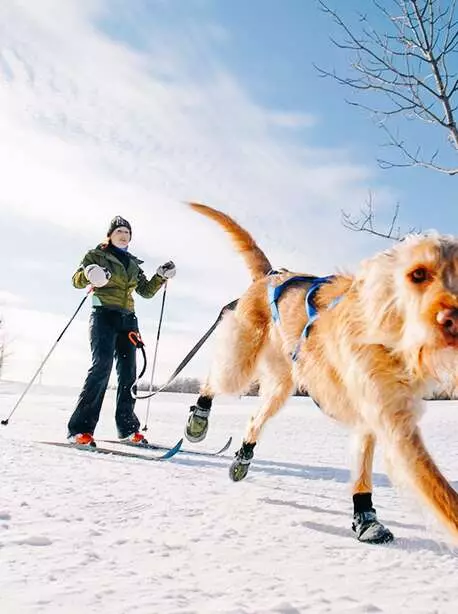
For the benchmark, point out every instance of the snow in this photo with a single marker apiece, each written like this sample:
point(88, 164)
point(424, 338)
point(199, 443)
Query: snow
point(85, 533)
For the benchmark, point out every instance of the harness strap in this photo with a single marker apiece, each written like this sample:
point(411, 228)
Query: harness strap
point(229, 307)
point(136, 340)
point(310, 307)
point(312, 311)
point(274, 293)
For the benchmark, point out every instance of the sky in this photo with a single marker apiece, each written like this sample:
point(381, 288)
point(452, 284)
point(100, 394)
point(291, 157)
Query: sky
point(135, 108)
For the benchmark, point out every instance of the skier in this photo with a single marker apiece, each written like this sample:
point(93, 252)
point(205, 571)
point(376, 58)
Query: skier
point(114, 274)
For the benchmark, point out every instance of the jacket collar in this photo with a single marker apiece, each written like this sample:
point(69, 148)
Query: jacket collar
point(102, 249)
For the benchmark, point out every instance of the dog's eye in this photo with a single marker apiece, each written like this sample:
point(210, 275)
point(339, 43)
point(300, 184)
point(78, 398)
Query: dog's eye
point(418, 276)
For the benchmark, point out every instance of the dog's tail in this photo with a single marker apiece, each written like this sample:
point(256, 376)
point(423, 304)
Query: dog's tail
point(254, 257)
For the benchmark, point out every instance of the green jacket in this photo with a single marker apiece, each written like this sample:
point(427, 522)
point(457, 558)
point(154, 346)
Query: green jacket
point(117, 294)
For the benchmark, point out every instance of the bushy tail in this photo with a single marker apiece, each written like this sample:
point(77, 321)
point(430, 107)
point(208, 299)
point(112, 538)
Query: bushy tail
point(254, 257)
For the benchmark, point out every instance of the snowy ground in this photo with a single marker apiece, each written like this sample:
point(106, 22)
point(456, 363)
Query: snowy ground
point(91, 534)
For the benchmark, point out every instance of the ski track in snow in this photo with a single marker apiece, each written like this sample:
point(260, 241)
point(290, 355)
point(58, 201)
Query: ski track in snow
point(81, 533)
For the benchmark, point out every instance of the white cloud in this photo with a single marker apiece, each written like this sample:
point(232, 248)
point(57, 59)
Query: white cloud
point(292, 120)
point(9, 298)
point(30, 335)
point(92, 128)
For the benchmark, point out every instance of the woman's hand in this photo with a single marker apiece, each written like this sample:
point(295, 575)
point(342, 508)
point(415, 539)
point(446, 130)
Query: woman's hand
point(166, 270)
point(96, 275)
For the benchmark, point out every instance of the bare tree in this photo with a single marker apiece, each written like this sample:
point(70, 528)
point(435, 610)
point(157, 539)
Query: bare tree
point(365, 222)
point(409, 70)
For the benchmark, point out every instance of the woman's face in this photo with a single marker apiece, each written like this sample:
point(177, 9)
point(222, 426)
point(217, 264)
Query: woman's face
point(120, 237)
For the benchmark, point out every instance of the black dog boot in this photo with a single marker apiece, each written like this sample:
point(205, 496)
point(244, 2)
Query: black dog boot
point(197, 424)
point(369, 530)
point(240, 465)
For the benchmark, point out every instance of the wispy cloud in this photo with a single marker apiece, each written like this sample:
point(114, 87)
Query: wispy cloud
point(290, 119)
point(93, 126)
point(8, 298)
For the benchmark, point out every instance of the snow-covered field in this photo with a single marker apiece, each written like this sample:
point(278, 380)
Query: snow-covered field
point(83, 533)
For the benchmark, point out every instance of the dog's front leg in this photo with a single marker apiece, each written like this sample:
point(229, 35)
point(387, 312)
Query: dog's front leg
point(365, 524)
point(411, 463)
point(274, 396)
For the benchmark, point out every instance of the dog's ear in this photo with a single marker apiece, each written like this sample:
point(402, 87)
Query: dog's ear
point(376, 274)
point(449, 255)
point(376, 288)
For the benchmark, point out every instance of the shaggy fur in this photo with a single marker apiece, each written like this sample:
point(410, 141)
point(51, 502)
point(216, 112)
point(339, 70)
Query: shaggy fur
point(367, 361)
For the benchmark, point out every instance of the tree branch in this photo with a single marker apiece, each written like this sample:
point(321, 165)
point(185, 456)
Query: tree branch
point(406, 65)
point(365, 222)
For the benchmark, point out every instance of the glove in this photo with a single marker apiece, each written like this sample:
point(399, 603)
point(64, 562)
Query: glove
point(96, 275)
point(166, 270)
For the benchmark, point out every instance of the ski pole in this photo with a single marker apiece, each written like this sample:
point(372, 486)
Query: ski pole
point(145, 428)
point(27, 388)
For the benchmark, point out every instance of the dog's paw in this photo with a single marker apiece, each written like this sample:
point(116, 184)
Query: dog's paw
point(197, 424)
point(369, 530)
point(241, 463)
point(239, 469)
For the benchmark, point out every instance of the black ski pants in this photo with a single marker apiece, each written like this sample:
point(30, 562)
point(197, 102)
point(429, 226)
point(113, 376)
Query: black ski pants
point(109, 330)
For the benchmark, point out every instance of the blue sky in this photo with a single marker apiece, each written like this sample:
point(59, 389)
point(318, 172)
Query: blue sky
point(271, 47)
point(131, 108)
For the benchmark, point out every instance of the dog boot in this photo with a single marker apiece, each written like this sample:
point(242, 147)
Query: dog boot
point(197, 424)
point(369, 530)
point(240, 465)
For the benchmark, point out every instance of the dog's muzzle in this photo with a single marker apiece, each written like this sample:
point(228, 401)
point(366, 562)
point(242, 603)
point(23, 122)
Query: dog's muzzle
point(448, 320)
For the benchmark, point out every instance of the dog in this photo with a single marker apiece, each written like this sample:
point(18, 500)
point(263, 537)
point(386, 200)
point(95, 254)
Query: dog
point(365, 347)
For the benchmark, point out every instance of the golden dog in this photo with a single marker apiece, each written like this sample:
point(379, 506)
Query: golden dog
point(377, 341)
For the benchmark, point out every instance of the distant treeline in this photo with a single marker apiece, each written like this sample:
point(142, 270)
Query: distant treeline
point(192, 385)
point(187, 384)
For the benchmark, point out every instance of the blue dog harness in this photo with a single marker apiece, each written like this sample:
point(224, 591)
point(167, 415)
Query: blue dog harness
point(274, 293)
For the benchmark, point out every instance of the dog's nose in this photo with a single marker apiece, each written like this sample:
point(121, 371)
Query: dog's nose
point(448, 319)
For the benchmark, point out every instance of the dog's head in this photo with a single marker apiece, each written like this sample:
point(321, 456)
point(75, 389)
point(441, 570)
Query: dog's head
point(409, 301)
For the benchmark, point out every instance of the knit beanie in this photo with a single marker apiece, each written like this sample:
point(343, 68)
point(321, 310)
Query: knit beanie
point(117, 222)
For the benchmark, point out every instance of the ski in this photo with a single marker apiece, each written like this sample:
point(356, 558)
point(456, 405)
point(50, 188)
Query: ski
point(209, 453)
point(157, 446)
point(169, 452)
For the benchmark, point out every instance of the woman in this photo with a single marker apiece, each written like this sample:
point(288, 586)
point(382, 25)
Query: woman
point(114, 274)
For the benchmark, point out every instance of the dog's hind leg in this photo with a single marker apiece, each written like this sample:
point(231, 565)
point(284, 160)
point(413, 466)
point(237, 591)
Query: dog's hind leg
point(365, 524)
point(238, 347)
point(363, 452)
point(276, 385)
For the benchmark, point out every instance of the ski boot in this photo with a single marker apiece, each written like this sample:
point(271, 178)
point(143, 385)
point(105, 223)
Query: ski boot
point(240, 465)
point(135, 438)
point(197, 424)
point(82, 440)
point(369, 530)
